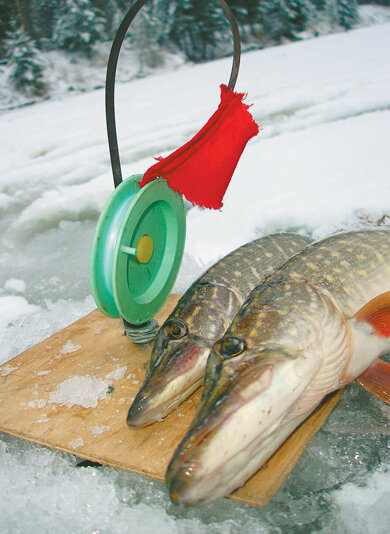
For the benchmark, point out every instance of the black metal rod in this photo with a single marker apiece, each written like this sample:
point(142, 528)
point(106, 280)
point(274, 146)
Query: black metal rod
point(111, 71)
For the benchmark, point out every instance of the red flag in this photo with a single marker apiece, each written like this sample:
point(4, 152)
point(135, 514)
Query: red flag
point(202, 168)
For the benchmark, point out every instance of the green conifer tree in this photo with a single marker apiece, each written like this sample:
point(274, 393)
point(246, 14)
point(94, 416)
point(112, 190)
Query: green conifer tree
point(79, 26)
point(196, 27)
point(26, 65)
point(7, 14)
point(346, 13)
point(284, 19)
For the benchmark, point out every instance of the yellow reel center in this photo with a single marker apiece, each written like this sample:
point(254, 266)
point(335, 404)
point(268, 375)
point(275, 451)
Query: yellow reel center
point(144, 249)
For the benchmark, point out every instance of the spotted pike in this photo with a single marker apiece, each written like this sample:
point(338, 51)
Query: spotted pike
point(312, 327)
point(201, 317)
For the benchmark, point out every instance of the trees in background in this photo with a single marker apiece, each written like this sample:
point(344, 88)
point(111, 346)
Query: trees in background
point(345, 13)
point(79, 25)
point(197, 28)
point(26, 65)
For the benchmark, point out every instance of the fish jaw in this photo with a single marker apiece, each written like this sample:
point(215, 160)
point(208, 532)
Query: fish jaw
point(165, 388)
point(257, 401)
point(177, 366)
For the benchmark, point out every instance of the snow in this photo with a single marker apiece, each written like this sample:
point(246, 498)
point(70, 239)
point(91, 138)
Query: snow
point(13, 284)
point(319, 164)
point(97, 430)
point(38, 403)
point(66, 72)
point(80, 391)
point(118, 373)
point(13, 308)
point(7, 370)
point(76, 443)
point(70, 347)
point(362, 506)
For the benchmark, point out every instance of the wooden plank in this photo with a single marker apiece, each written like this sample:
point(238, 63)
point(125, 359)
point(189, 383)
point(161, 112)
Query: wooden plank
point(94, 348)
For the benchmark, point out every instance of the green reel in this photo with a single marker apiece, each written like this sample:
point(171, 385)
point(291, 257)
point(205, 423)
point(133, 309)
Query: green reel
point(137, 250)
point(138, 244)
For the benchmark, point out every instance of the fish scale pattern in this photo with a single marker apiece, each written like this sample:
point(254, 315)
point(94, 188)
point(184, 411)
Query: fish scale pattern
point(351, 266)
point(242, 269)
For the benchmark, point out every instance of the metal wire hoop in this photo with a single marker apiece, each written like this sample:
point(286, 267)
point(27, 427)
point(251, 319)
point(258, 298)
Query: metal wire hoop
point(111, 71)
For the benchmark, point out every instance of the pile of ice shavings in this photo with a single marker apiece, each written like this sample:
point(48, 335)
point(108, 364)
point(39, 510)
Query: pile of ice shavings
point(81, 391)
point(319, 164)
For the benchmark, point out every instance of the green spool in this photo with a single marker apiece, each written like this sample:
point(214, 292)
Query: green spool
point(137, 249)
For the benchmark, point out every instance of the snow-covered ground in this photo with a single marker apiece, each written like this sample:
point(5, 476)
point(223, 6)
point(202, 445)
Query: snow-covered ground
point(319, 164)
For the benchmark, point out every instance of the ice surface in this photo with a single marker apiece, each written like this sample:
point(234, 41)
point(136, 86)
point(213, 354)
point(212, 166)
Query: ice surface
point(14, 284)
point(13, 308)
point(365, 505)
point(319, 164)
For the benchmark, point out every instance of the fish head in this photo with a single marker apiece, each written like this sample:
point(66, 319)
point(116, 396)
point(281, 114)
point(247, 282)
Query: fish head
point(180, 352)
point(246, 394)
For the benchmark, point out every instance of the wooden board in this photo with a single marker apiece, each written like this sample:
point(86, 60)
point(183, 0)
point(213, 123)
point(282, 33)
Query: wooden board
point(95, 347)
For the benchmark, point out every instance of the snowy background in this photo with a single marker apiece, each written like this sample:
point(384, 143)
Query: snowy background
point(319, 164)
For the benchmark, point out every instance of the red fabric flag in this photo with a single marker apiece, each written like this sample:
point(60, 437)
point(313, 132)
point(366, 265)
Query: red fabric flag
point(202, 168)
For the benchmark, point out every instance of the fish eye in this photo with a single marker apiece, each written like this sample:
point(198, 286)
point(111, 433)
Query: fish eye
point(175, 329)
point(231, 346)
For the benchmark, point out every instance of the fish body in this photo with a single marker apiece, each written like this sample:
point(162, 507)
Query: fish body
point(310, 328)
point(202, 315)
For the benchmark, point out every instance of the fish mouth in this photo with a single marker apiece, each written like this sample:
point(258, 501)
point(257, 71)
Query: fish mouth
point(230, 440)
point(166, 386)
point(199, 467)
point(151, 406)
point(186, 488)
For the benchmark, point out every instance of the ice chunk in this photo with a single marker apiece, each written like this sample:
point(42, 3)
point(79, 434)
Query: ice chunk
point(118, 373)
point(15, 284)
point(76, 443)
point(42, 373)
point(13, 308)
point(43, 419)
point(81, 391)
point(7, 370)
point(70, 347)
point(96, 430)
point(38, 403)
point(365, 507)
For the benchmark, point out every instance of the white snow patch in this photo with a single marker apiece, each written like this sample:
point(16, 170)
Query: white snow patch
point(76, 443)
point(14, 284)
point(365, 509)
point(118, 373)
point(42, 373)
point(43, 419)
point(7, 370)
point(13, 308)
point(80, 391)
point(38, 403)
point(5, 201)
point(68, 348)
point(97, 430)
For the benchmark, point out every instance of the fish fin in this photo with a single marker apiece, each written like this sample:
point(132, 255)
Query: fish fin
point(376, 380)
point(377, 314)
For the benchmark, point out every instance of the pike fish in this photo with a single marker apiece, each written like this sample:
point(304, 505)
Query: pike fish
point(310, 328)
point(184, 341)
